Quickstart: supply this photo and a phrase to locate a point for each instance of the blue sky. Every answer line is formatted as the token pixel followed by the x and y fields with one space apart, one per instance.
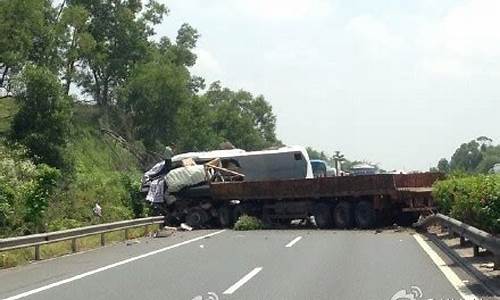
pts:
pixel 400 83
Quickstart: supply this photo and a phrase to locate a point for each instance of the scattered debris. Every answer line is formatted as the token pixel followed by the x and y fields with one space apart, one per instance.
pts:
pixel 202 246
pixel 487 265
pixel 185 227
pixel 165 232
pixel 133 242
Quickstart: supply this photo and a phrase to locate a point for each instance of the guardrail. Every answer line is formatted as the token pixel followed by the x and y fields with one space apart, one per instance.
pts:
pixel 479 238
pixel 37 240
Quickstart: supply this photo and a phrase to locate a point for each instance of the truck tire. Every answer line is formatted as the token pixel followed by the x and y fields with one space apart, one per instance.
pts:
pixel 225 215
pixel 342 215
pixel 322 216
pixel 364 214
pixel 197 217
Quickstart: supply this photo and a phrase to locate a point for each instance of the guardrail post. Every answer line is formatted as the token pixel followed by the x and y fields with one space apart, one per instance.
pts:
pixel 146 230
pixel 103 239
pixel 462 241
pixel 74 246
pixel 37 252
pixel 126 234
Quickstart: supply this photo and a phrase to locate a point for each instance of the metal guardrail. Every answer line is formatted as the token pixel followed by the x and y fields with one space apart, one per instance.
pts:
pixel 477 237
pixel 37 240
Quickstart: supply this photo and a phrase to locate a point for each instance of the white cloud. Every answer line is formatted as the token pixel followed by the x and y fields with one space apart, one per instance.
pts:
pixel 463 41
pixel 373 36
pixel 284 9
pixel 206 64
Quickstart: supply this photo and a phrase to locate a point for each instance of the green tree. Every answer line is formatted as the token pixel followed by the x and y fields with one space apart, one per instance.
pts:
pixel 467 157
pixel 152 97
pixel 43 120
pixel 74 40
pixel 443 165
pixel 38 195
pixel 120 30
pixel 246 121
pixel 25 35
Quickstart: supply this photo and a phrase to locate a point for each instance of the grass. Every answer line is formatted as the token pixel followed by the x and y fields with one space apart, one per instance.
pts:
pixel 24 256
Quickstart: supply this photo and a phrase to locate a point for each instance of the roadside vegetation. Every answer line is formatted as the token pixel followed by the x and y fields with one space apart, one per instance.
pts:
pixel 471 193
pixel 246 222
pixel 474 200
pixel 88 102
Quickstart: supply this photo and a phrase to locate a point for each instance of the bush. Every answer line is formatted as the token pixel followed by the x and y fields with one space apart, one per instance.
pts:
pixel 43 120
pixel 474 200
pixel 25 191
pixel 248 223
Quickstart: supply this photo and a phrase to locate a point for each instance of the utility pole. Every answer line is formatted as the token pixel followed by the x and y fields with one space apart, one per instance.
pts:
pixel 338 158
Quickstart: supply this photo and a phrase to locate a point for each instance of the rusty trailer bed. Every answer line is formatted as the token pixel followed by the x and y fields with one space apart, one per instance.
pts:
pixel 326 187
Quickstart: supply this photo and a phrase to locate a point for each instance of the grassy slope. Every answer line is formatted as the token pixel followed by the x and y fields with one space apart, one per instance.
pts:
pixel 101 171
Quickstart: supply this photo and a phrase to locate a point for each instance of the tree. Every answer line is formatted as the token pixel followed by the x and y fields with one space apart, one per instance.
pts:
pixel 467 157
pixel 74 40
pixel 443 165
pixel 152 96
pixel 246 121
pixel 25 32
pixel 43 120
pixel 120 30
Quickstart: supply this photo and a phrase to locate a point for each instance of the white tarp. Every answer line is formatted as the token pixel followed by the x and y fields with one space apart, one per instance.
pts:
pixel 184 176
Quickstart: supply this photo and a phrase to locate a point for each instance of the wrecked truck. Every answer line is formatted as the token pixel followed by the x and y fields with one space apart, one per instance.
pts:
pixel 206 189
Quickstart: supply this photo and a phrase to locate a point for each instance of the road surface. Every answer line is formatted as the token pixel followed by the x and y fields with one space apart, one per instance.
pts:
pixel 277 264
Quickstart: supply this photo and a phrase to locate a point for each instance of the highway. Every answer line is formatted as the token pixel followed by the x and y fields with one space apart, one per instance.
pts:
pixel 269 264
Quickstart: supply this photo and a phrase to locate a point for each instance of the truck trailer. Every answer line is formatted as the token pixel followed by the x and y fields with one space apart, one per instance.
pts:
pixel 277 186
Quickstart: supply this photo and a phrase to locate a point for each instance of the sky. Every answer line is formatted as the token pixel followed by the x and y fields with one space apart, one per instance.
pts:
pixel 398 83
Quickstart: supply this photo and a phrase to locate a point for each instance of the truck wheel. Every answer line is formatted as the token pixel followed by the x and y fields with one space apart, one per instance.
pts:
pixel 225 214
pixel 197 217
pixel 364 215
pixel 322 216
pixel 342 215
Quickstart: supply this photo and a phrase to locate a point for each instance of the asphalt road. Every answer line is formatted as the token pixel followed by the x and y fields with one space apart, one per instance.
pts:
pixel 285 264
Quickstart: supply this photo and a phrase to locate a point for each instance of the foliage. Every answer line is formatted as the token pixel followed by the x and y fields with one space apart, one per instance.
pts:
pixel 25 33
pixel 246 222
pixel 37 195
pixel 476 156
pixel 443 166
pixel 74 40
pixel 120 31
pixel 25 190
pixel 43 120
pixel 246 121
pixel 152 97
pixel 474 200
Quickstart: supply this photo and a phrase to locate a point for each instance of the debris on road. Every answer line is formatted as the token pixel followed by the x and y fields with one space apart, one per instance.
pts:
pixel 185 227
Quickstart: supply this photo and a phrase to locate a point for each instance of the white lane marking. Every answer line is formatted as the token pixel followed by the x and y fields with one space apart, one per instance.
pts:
pixel 242 281
pixel 452 277
pixel 295 240
pixel 102 269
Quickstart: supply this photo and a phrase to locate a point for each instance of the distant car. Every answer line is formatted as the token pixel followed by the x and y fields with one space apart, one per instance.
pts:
pixel 364 169
pixel 321 168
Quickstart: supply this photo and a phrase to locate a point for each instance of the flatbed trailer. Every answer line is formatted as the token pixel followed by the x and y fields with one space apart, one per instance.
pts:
pixel 341 202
